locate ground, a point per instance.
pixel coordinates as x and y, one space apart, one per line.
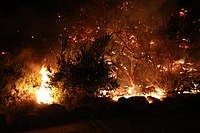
156 122
116 119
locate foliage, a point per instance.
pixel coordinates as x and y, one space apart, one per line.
183 29
87 69
140 47
16 85
9 74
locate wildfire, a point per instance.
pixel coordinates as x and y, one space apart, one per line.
44 94
178 66
134 90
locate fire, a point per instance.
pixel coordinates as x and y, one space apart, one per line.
182 12
134 90
44 94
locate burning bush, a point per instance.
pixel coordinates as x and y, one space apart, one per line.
10 72
17 85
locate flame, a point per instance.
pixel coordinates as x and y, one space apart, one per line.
182 12
44 94
133 90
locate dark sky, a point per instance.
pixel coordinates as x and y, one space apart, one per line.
35 23
27 23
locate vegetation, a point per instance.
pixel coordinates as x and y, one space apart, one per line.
86 70
138 52
16 83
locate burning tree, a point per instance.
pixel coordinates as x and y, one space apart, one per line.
142 49
183 29
140 55
148 60
85 70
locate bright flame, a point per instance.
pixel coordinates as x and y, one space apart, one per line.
134 90
44 94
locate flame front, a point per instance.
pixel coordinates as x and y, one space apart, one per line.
44 94
132 91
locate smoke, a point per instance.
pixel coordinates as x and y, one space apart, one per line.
157 10
30 29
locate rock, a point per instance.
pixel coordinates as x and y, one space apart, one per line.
138 103
96 107
153 100
173 102
122 103
155 104
191 101
122 100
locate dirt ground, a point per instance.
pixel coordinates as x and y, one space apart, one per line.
155 122
168 117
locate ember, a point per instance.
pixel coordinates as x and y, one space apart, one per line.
182 12
135 90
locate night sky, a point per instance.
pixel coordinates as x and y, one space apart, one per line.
35 25
27 24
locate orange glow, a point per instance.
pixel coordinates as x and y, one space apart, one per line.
44 94
132 91
182 12
4 53
184 46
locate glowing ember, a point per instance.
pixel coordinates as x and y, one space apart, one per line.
4 53
182 12
184 46
135 90
44 94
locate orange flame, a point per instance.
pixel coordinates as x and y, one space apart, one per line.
134 90
44 94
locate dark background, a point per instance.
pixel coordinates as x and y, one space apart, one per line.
35 24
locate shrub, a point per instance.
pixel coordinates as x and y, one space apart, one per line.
86 70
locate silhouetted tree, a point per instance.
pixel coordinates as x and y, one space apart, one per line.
87 69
